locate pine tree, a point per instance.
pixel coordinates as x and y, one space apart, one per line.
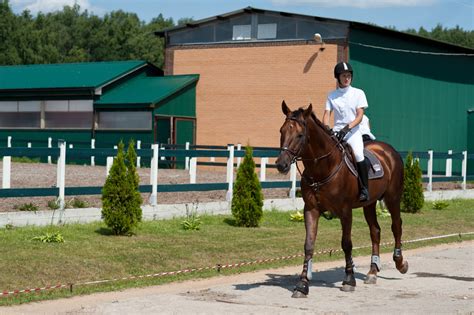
412 198
120 198
247 200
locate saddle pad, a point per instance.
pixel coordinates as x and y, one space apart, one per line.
375 169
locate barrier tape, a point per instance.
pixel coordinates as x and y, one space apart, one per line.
218 267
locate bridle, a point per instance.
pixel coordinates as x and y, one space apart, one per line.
296 156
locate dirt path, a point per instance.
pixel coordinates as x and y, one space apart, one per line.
440 280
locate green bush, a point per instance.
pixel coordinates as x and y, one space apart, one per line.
121 199
27 207
49 237
412 198
247 199
440 205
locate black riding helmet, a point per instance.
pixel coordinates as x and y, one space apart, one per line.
342 67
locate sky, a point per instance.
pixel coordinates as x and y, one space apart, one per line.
401 14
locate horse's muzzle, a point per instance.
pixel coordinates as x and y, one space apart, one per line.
283 164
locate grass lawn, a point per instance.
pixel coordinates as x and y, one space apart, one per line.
90 252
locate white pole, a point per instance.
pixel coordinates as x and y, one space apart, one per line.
186 159
263 168
154 175
449 165
230 173
110 161
62 172
7 166
293 181
50 145
139 159
7 162
192 170
162 157
239 146
430 171
464 169
92 157
71 146
29 144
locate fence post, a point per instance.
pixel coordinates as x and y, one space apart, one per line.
293 181
6 171
430 171
449 165
92 157
61 172
263 169
50 145
192 170
7 166
464 169
139 159
186 159
29 145
162 148
154 175
110 161
239 146
230 173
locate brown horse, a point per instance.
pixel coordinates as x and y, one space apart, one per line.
327 184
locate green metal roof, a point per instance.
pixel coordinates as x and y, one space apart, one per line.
65 76
146 90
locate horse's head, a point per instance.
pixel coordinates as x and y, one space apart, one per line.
292 136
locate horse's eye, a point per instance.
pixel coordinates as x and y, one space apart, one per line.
300 136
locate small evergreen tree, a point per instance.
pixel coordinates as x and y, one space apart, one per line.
247 199
412 198
120 197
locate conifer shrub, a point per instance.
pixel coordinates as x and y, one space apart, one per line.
121 199
247 199
412 198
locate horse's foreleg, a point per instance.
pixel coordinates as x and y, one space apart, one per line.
311 218
349 283
394 208
374 227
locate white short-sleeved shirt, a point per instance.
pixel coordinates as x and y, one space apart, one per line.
344 103
365 128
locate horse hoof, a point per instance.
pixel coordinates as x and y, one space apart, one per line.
370 279
404 267
297 294
347 288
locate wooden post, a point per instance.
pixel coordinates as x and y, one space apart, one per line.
293 181
192 170
464 169
154 175
62 172
239 159
430 171
263 168
449 165
50 145
186 159
139 159
92 157
230 173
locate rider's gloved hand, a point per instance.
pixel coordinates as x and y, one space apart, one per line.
343 132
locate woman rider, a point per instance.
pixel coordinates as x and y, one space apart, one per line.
348 104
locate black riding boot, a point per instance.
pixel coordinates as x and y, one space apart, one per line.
364 180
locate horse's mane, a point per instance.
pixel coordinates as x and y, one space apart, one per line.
299 113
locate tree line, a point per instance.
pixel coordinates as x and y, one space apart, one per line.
73 35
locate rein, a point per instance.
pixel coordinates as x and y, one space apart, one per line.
296 157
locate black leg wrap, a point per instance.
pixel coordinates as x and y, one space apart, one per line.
349 279
397 253
302 286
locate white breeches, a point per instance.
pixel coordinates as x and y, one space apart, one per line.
354 138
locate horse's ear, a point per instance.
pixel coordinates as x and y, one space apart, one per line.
284 108
308 110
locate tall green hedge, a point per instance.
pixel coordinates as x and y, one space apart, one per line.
412 198
121 199
247 199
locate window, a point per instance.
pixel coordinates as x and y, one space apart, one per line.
77 114
124 120
20 114
241 32
267 31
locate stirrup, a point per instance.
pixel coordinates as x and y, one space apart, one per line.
364 195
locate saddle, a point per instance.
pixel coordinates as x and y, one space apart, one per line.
375 168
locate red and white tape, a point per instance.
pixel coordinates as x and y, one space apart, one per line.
217 267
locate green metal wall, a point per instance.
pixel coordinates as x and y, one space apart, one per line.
182 104
39 138
470 139
417 102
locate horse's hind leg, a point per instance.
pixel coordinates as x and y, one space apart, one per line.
374 227
349 283
393 205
